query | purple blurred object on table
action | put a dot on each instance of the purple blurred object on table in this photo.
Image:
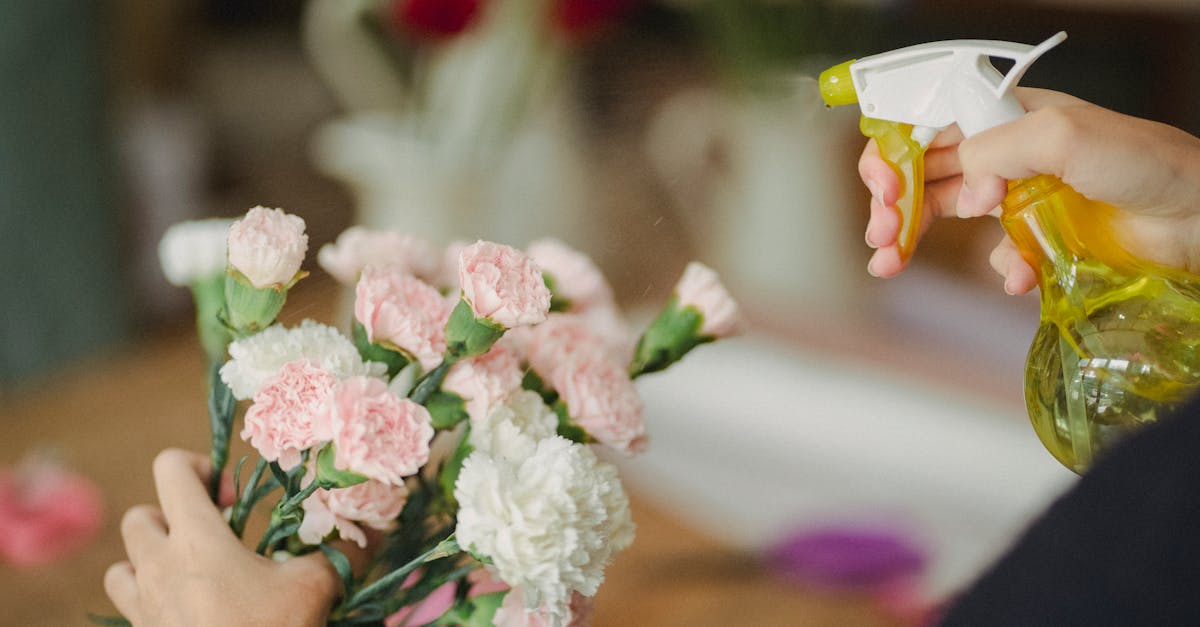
(846, 557)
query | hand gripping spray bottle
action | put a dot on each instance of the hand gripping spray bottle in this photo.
(1118, 341)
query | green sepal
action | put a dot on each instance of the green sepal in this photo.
(448, 477)
(557, 303)
(331, 477)
(249, 309)
(672, 334)
(467, 336)
(566, 428)
(446, 408)
(395, 360)
(474, 612)
(209, 297)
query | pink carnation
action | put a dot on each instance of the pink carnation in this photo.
(399, 309)
(513, 613)
(576, 277)
(601, 398)
(358, 247)
(281, 423)
(372, 503)
(699, 287)
(551, 344)
(267, 246)
(502, 284)
(377, 433)
(486, 380)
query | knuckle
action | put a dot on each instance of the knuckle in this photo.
(135, 514)
(168, 457)
(1060, 128)
(114, 573)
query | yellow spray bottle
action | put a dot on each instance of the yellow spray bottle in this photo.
(1119, 340)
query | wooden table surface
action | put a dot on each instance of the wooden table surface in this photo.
(108, 418)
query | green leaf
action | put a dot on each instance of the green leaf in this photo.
(341, 564)
(237, 475)
(474, 612)
(447, 409)
(329, 476)
(282, 477)
(534, 383)
(566, 428)
(431, 382)
(394, 360)
(109, 620)
(557, 303)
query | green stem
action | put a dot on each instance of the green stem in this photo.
(221, 405)
(251, 495)
(445, 548)
(282, 517)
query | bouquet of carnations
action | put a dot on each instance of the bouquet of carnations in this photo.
(452, 430)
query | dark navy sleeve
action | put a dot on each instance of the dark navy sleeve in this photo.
(1121, 547)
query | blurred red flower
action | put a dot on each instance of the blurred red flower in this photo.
(580, 17)
(435, 19)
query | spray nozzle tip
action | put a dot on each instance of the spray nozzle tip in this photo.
(836, 86)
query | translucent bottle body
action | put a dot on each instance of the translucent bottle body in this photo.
(1119, 337)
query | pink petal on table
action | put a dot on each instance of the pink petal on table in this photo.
(46, 513)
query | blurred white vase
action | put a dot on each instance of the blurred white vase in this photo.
(766, 185)
(489, 147)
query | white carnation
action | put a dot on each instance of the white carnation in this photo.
(258, 358)
(194, 250)
(550, 523)
(513, 429)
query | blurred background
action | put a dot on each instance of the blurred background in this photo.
(643, 132)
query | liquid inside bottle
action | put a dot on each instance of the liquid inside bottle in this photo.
(1117, 345)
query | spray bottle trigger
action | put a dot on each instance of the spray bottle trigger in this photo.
(899, 148)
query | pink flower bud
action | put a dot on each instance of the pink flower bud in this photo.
(503, 285)
(701, 289)
(267, 246)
